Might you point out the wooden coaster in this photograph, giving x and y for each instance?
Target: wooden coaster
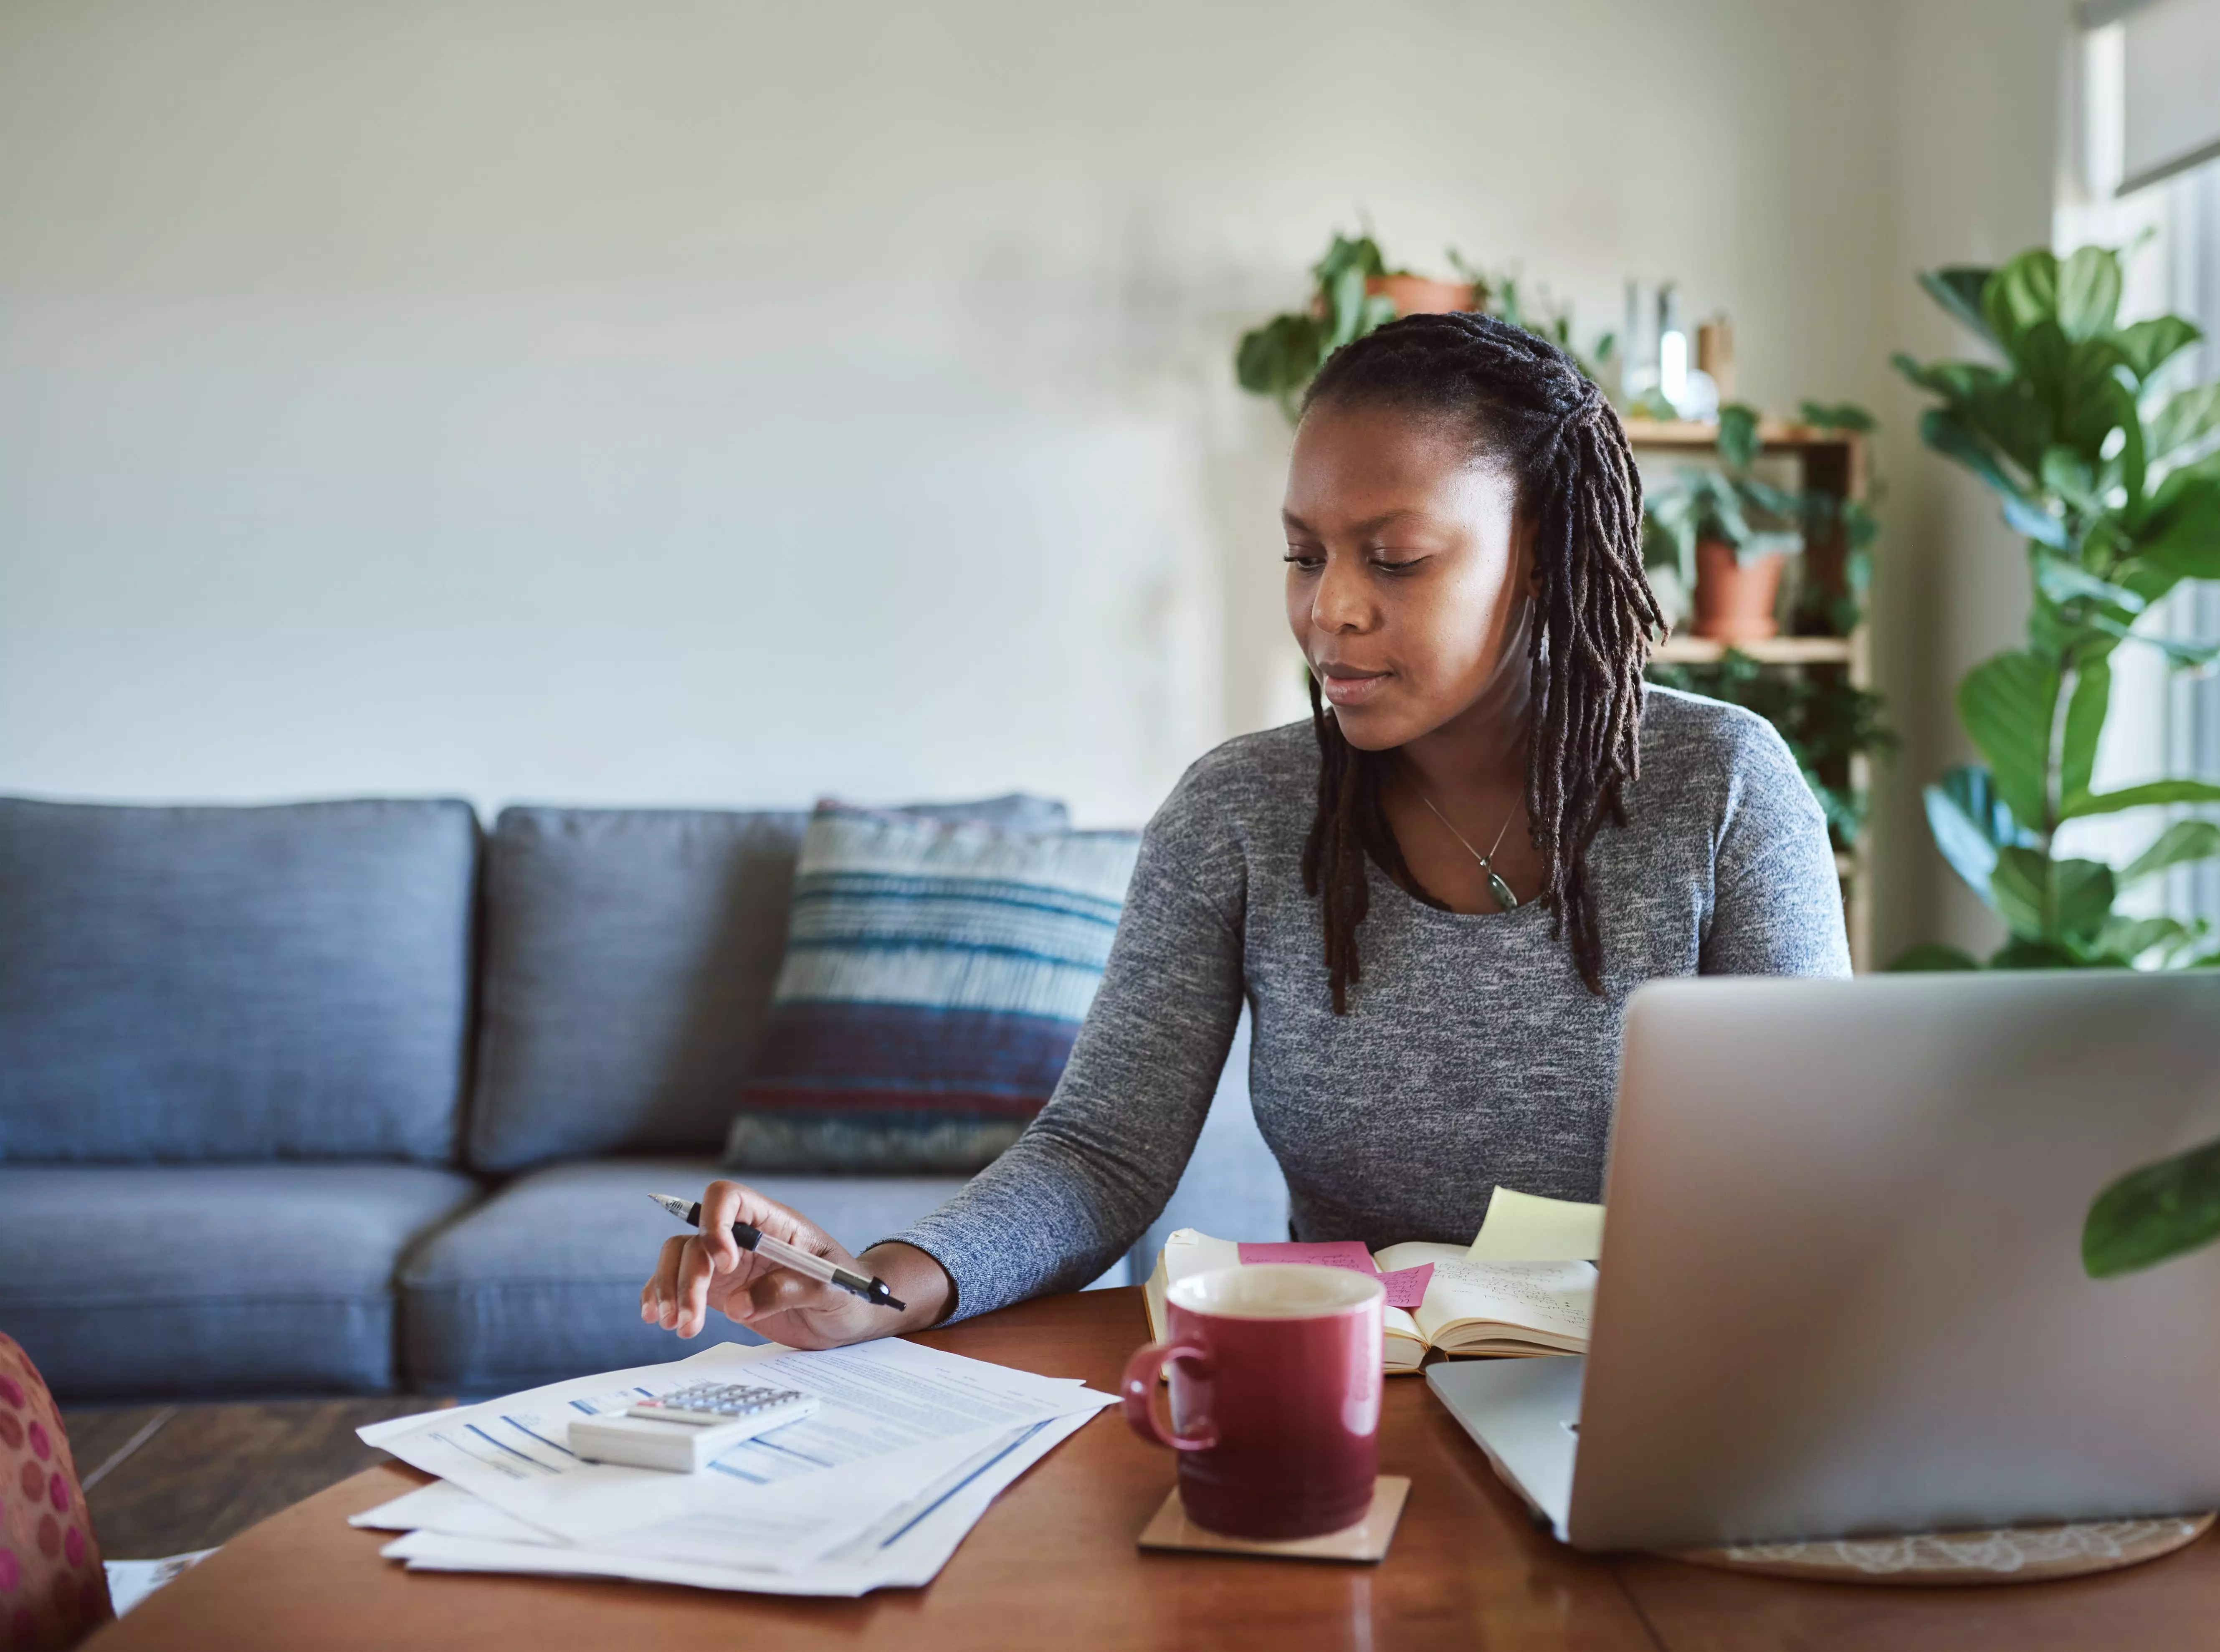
(1365, 1541)
(2014, 1554)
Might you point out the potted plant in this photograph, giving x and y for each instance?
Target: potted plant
(1353, 290)
(1725, 536)
(2109, 464)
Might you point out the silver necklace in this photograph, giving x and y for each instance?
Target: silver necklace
(1496, 885)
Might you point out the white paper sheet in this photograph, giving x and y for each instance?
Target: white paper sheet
(893, 1418)
(915, 1544)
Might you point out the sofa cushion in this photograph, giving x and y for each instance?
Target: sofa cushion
(234, 983)
(629, 960)
(542, 1281)
(126, 1280)
(935, 977)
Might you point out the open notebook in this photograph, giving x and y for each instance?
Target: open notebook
(1458, 1306)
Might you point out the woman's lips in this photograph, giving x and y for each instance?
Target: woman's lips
(1350, 688)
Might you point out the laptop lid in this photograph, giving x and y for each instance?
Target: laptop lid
(1842, 1290)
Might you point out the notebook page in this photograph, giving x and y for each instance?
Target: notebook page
(1558, 1297)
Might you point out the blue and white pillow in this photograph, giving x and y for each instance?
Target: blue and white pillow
(935, 978)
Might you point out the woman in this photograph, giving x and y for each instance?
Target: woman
(1436, 898)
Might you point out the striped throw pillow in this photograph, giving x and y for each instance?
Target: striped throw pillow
(935, 978)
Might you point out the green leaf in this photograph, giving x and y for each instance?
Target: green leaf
(1738, 440)
(2040, 899)
(2066, 474)
(2188, 417)
(2022, 295)
(1934, 956)
(2160, 1211)
(1838, 415)
(2019, 889)
(2024, 952)
(2081, 895)
(2137, 797)
(2085, 723)
(1278, 357)
(2129, 939)
(1955, 381)
(2089, 292)
(2179, 845)
(2064, 582)
(1948, 435)
(1957, 289)
(2076, 382)
(2184, 530)
(1971, 824)
(2147, 346)
(2007, 703)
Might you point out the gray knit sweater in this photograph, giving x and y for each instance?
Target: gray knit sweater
(1472, 1054)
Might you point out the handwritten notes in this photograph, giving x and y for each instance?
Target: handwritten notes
(1337, 1253)
(1406, 1287)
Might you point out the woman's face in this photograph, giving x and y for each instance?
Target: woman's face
(1407, 575)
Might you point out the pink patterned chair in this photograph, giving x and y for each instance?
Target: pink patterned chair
(53, 1590)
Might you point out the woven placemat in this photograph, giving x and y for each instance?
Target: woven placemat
(2013, 1555)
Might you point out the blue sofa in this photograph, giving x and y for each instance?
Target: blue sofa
(346, 1097)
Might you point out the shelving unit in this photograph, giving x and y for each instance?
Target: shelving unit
(1831, 462)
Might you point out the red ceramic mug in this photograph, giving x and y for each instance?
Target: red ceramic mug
(1275, 1379)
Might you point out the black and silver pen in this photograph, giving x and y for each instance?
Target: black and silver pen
(779, 1250)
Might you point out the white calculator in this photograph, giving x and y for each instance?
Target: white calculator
(688, 1428)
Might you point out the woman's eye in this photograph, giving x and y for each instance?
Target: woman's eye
(1308, 561)
(1389, 566)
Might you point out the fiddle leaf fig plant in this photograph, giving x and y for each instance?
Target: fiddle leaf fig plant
(2109, 467)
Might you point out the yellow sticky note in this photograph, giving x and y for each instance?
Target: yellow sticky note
(1521, 1227)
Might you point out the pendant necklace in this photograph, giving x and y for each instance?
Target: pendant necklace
(1496, 885)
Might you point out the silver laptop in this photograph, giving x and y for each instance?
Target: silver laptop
(1841, 1289)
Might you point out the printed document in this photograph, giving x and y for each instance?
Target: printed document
(894, 1419)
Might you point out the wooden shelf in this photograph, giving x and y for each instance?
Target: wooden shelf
(1774, 434)
(1771, 651)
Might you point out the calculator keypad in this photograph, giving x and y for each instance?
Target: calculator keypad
(734, 1399)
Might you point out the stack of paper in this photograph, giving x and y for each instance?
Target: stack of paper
(907, 1448)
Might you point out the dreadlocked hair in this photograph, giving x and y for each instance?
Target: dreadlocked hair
(1529, 409)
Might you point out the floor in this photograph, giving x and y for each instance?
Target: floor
(162, 1479)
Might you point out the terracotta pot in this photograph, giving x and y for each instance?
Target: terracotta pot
(1420, 295)
(1735, 599)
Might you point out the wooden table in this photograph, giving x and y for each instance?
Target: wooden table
(1053, 1565)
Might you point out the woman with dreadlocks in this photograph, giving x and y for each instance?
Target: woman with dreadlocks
(1435, 898)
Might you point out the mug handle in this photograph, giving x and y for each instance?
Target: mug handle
(1139, 1388)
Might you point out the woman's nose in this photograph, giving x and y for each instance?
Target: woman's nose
(1342, 601)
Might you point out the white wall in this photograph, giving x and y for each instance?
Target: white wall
(650, 400)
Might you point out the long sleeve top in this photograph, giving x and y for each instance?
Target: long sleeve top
(1472, 1054)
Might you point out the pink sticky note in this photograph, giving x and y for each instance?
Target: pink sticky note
(1406, 1286)
(1337, 1253)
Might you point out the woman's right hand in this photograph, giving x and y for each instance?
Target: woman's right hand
(708, 1269)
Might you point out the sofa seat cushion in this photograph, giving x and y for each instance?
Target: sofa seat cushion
(132, 1281)
(542, 1281)
(233, 984)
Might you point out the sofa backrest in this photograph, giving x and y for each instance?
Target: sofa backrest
(630, 956)
(235, 983)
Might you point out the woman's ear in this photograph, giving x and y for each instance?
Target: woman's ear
(1522, 551)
